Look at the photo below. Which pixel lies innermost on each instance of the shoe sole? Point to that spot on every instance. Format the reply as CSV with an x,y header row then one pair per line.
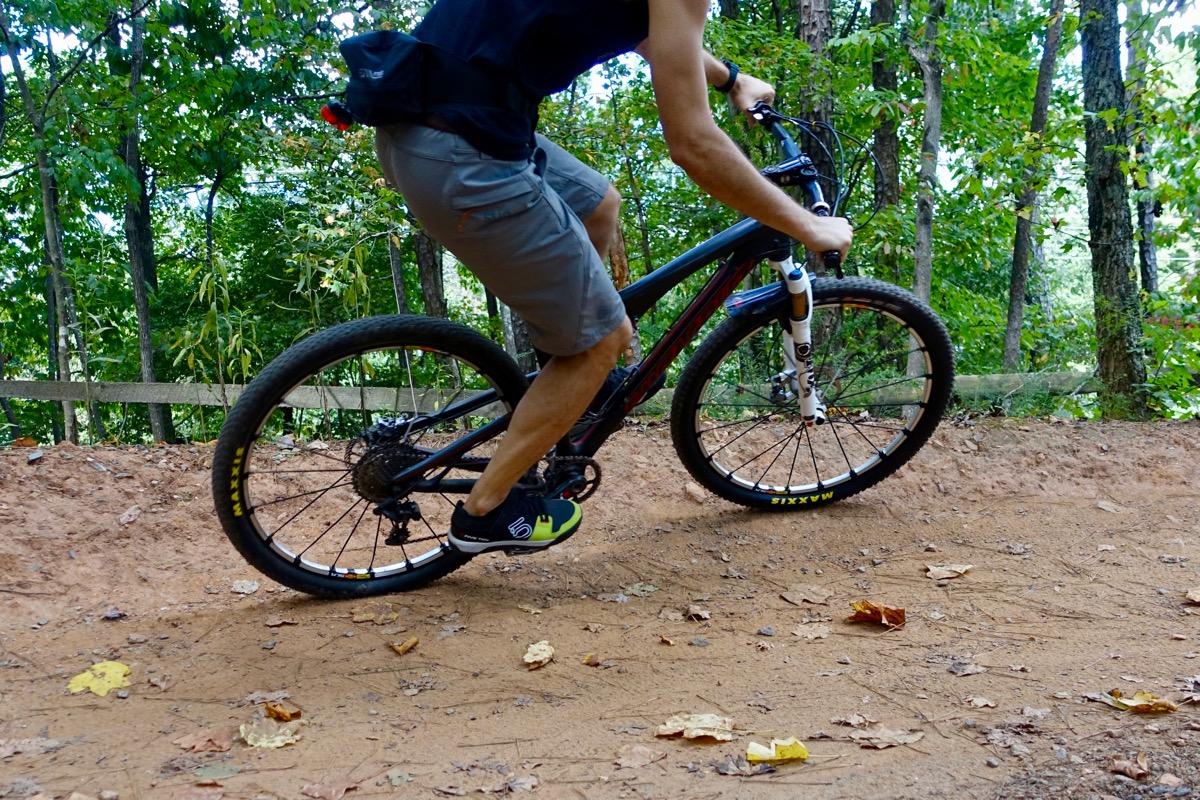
x,y
514,547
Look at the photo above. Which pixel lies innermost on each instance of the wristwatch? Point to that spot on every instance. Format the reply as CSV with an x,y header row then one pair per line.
x,y
727,86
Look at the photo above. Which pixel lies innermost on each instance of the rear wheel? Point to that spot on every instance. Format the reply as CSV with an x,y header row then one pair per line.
x,y
884,369
302,473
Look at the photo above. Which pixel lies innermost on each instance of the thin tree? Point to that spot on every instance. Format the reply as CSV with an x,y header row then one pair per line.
x,y
1027,201
1122,370
886,143
139,233
1140,26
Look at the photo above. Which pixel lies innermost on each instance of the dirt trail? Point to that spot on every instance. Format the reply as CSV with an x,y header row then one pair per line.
x,y
1083,540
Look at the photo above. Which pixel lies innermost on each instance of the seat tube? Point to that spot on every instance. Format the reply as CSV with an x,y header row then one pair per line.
x,y
798,341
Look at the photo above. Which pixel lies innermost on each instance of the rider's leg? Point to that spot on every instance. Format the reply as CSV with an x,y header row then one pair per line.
x,y
601,224
554,402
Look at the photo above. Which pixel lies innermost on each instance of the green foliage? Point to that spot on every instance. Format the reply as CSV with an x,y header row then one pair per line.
x,y
1172,336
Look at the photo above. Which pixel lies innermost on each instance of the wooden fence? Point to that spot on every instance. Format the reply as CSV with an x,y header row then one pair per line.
x,y
970,387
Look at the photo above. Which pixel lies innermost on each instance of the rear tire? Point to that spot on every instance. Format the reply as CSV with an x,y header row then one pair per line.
x,y
295,483
745,445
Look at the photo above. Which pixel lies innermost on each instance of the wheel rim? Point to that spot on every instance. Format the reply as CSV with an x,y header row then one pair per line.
x,y
759,443
312,480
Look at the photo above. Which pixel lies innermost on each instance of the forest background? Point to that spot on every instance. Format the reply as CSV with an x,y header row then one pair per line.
x,y
174,209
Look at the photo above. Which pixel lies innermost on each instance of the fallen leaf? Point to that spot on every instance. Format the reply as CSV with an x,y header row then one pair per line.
x,y
807,593
398,777
530,610
452,791
879,737
670,615
941,572
403,647
696,613
813,632
854,720
739,766
269,734
866,611
642,589
780,751
1136,768
276,621
593,627
539,654
333,790
1143,702
379,613
634,756
591,660
24,441
213,740
1193,596
29,747
279,712
962,668
664,640
512,783
697,726
131,513
1105,505
980,702
211,773
100,679
1168,779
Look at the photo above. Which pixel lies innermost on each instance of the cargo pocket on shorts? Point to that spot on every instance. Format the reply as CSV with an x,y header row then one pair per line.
x,y
489,190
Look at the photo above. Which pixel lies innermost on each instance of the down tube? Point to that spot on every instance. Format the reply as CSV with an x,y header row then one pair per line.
x,y
719,287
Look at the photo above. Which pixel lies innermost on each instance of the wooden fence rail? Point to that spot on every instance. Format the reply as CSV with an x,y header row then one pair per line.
x,y
208,394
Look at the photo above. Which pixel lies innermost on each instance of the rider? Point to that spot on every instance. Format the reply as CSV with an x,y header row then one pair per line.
x,y
534,224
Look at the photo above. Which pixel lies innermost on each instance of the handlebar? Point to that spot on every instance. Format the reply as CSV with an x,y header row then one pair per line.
x,y
796,164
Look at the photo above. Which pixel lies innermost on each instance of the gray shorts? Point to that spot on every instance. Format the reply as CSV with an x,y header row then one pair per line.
x,y
515,225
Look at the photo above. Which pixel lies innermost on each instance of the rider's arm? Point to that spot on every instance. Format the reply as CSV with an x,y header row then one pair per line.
x,y
680,73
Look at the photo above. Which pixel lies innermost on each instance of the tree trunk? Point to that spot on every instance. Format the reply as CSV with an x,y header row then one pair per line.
x,y
886,146
53,238
139,233
396,262
1028,199
1118,319
429,268
1140,28
928,59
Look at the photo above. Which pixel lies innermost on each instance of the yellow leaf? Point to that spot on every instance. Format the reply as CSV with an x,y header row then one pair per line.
x,y
403,647
1145,703
866,611
780,751
100,678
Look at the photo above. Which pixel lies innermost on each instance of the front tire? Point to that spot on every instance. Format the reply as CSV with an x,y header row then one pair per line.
x,y
749,445
307,453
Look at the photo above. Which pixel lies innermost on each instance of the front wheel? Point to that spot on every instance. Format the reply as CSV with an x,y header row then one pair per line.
x,y
884,370
303,470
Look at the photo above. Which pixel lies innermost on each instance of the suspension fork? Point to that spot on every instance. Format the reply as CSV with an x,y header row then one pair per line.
x,y
798,350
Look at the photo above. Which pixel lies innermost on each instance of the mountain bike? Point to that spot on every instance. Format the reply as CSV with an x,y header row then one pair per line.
x,y
338,467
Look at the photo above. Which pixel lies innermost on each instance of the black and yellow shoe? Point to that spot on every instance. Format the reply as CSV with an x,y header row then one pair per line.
x,y
525,521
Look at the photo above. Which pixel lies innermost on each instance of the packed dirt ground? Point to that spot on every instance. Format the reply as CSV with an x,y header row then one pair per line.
x,y
1082,545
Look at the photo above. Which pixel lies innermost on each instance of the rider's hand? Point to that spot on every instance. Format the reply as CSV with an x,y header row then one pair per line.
x,y
747,91
824,234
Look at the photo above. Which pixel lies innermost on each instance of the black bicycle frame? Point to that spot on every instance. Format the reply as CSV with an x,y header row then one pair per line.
x,y
738,248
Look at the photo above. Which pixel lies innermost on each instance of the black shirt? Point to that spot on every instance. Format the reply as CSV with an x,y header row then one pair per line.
x,y
540,45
